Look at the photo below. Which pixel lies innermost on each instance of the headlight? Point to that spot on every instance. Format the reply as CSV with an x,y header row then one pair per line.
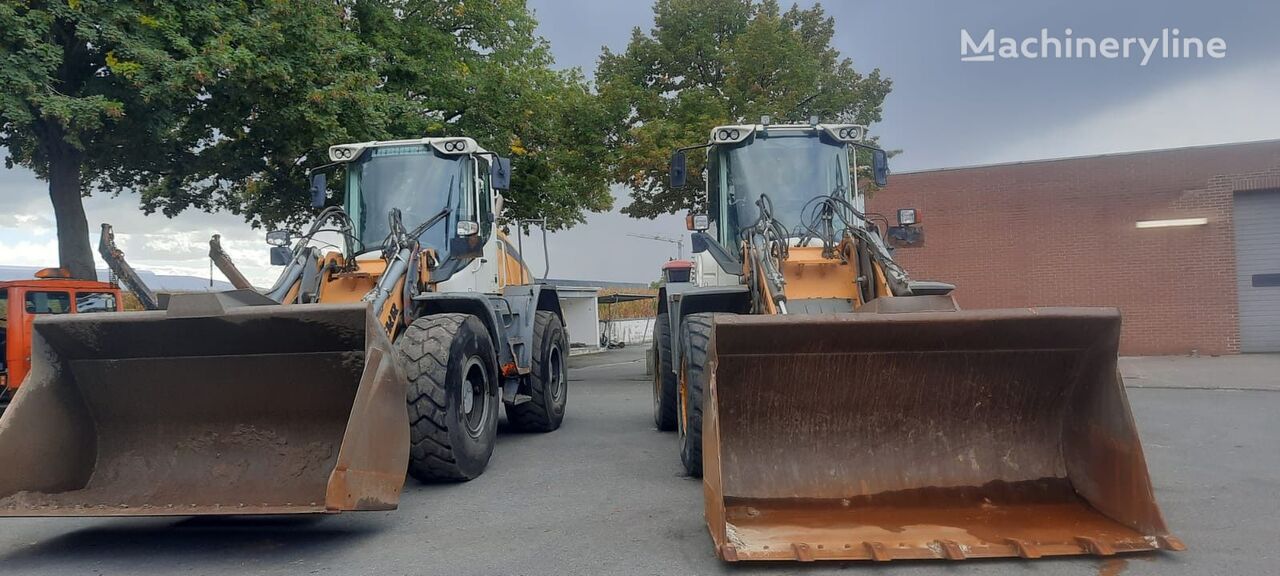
x,y
343,153
454,146
731,134
847,132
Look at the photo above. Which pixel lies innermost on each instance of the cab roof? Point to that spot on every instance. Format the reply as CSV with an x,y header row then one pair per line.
x,y
59,283
454,145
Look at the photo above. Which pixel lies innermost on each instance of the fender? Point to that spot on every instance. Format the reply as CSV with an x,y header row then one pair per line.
x,y
680,299
479,305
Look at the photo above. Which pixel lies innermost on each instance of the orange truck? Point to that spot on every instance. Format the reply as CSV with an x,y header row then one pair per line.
x,y
52,291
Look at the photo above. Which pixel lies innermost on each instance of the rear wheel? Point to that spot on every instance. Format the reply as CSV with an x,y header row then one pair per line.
x,y
696,332
453,396
548,379
665,384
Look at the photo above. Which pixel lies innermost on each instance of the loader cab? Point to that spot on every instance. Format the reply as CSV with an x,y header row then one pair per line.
x,y
446,191
423,179
790,164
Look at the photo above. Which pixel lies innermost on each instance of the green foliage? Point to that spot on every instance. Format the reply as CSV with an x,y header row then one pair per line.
x,y
711,62
223,105
309,75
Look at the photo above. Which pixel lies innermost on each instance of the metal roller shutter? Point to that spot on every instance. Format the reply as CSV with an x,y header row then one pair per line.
x,y
1257,223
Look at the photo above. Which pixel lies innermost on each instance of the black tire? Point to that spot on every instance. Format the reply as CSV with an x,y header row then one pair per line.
x,y
445,356
666,409
548,378
696,330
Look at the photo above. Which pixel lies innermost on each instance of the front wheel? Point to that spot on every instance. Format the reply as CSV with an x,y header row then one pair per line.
x,y
450,364
693,384
548,378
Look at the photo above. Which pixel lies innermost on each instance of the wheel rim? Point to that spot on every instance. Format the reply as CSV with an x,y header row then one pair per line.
x,y
556,377
474,411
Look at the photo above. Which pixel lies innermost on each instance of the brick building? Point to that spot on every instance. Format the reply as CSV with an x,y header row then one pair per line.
x,y
1200,273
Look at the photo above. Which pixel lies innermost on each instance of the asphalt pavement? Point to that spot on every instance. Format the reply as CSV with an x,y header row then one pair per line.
x,y
605,495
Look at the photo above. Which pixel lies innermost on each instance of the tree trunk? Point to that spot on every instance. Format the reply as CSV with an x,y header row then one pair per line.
x,y
74,252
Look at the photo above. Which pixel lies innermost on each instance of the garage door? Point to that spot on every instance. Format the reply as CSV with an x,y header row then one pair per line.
x,y
1257,216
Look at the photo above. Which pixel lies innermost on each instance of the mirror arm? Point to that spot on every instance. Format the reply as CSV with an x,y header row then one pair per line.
x,y
322,168
694,147
727,261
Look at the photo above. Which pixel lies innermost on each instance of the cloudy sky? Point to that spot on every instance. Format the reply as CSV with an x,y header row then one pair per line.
x,y
942,113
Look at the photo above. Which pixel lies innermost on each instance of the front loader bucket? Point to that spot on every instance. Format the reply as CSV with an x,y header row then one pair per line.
x,y
924,435
211,407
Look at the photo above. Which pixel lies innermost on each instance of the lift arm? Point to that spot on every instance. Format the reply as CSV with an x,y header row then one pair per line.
x,y
225,265
123,271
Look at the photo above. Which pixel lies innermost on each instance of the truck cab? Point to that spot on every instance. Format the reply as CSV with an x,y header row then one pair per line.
x,y
52,291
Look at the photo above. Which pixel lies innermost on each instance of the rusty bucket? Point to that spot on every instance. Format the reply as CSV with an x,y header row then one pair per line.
x,y
924,435
215,406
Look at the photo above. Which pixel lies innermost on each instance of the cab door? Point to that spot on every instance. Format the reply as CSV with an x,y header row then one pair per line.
x,y
29,303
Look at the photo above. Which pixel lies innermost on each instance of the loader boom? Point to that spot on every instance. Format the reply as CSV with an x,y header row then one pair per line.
x,y
228,268
124,273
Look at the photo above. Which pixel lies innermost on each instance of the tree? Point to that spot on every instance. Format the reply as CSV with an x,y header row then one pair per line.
x,y
711,62
223,105
87,86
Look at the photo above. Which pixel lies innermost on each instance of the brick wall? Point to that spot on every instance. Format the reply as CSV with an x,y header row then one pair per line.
x,y
1062,232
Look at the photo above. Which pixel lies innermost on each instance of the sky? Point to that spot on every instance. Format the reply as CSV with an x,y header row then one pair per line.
x,y
942,113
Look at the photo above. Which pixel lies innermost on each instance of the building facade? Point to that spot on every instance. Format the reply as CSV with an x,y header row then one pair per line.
x,y
1185,242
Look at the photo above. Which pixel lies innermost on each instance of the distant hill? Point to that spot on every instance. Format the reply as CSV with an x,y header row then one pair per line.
x,y
157,282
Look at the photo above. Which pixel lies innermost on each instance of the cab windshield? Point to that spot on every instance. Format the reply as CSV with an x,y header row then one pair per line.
x,y
791,170
416,179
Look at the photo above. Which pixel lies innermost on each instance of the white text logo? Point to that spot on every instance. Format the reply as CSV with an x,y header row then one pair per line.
x,y
1169,44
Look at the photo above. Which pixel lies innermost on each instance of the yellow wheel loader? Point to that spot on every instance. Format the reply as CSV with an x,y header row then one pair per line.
x,y
837,409
389,352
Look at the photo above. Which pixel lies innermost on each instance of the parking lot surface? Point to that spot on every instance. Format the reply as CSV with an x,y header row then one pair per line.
x,y
605,495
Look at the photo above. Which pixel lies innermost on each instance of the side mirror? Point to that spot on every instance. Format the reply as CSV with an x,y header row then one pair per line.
x,y
677,169
500,173
880,167
697,222
280,256
908,217
278,238
319,185
468,228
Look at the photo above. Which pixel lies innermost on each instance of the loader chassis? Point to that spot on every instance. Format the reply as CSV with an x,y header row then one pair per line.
x,y
838,410
387,346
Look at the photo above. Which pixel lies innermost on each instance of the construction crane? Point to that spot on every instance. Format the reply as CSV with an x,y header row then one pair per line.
x,y
679,242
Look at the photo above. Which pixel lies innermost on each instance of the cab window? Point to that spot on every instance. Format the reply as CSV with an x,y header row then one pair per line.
x,y
48,302
90,302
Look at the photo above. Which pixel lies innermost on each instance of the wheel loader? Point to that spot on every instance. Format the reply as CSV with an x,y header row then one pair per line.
x,y
388,347
836,409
